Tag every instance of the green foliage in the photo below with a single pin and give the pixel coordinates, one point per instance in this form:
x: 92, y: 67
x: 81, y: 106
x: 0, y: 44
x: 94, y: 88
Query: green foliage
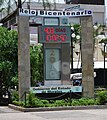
x: 84, y: 102
x: 60, y: 103
x: 77, y: 29
x: 36, y: 58
x: 14, y: 82
x: 98, y: 30
x: 75, y: 102
x: 33, y: 101
x: 45, y: 101
x: 8, y: 55
x: 101, y: 97
x: 9, y: 59
x: 31, y: 98
x: 18, y: 103
x: 15, y: 95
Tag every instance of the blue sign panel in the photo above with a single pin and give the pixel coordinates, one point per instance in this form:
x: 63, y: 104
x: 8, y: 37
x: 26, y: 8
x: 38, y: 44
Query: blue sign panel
x: 56, y: 89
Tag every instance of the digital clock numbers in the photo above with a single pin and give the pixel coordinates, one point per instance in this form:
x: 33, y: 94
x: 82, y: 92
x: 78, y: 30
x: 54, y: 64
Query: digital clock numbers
x: 54, y: 34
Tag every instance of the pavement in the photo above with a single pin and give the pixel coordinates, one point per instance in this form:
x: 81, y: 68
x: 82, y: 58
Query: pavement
x: 6, y: 109
x: 87, y: 114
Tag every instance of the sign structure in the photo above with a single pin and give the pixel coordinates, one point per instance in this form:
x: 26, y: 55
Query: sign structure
x: 54, y: 34
x: 56, y: 89
x: 43, y: 13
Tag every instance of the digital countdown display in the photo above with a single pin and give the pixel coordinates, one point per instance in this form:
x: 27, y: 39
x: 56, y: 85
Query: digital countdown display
x: 54, y: 34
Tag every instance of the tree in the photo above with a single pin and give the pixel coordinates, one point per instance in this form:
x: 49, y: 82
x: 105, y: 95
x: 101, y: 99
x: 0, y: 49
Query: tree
x: 48, y: 5
x: 7, y: 5
x: 9, y: 59
x: 8, y: 56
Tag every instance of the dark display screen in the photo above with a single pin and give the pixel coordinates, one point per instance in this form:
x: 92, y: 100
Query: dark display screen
x: 54, y: 34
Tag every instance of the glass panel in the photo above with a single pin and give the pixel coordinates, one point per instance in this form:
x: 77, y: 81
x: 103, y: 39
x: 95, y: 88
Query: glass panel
x: 52, y: 64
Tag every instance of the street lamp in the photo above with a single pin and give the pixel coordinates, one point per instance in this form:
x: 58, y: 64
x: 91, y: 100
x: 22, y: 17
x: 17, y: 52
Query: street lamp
x: 73, y: 35
x: 104, y: 60
x: 104, y: 45
x: 78, y: 37
x: 104, y: 42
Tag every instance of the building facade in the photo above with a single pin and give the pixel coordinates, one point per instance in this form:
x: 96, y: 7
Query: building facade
x: 98, y: 10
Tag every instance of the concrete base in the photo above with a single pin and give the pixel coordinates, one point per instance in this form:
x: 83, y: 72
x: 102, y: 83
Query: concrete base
x: 56, y: 108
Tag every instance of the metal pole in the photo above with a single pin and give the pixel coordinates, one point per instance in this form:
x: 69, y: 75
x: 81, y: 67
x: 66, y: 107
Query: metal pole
x: 71, y: 55
x: 70, y: 97
x: 25, y: 98
x: 104, y: 62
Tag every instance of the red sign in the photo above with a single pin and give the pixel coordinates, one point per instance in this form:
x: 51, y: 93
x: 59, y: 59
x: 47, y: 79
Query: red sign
x: 54, y: 34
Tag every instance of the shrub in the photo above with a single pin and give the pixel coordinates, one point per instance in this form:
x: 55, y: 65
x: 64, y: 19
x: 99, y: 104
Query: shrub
x: 18, y: 103
x: 59, y: 103
x: 45, y: 103
x: 101, y: 97
x: 15, y: 95
x: 33, y: 101
x: 84, y: 101
x: 30, y: 99
x: 15, y: 102
x: 92, y: 102
x: 75, y: 102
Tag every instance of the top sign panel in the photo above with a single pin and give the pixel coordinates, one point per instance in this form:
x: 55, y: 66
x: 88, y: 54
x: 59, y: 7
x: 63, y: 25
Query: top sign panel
x: 43, y: 13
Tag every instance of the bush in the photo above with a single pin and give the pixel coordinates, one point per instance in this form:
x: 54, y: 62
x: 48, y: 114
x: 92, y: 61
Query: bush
x: 15, y: 95
x: 45, y: 103
x: 33, y: 101
x: 101, y: 97
x: 84, y: 101
x: 19, y: 103
x: 59, y: 103
x: 75, y: 102
x: 92, y: 102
